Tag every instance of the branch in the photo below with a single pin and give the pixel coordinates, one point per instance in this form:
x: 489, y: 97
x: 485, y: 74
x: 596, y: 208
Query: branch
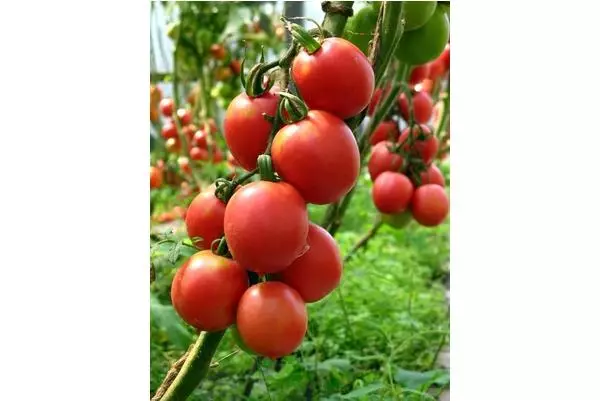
x: 336, y: 15
x: 365, y: 239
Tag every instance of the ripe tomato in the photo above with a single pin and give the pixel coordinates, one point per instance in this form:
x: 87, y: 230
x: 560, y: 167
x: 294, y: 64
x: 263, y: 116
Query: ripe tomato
x: 417, y: 13
x: 166, y: 107
x: 246, y: 130
x: 217, y: 155
x: 426, y: 86
x: 386, y: 131
x: 425, y: 148
x: 433, y: 175
x: 430, y: 205
x: 317, y: 78
x: 217, y: 51
x: 392, y: 192
x: 444, y: 58
x: 375, y: 99
x: 155, y: 177
x: 422, y: 107
x: 235, y: 66
x: 426, y: 43
x: 272, y: 319
x: 184, y: 164
x: 169, y: 130
x: 188, y: 131
x: 383, y: 160
x: 319, y: 271
x: 173, y: 145
x: 206, y: 291
x: 185, y: 116
x: 418, y: 73
x: 200, y: 139
x: 223, y: 73
x: 399, y: 220
x: 255, y: 240
x: 197, y: 153
x: 436, y: 69
x: 205, y: 216
x: 318, y: 156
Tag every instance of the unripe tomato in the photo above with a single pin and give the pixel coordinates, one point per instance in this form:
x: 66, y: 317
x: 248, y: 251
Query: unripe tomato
x: 417, y: 13
x: 205, y: 216
x: 433, y: 175
x: 385, y: 131
x: 383, y: 160
x: 318, y: 156
x: 217, y: 51
x: 197, y: 153
x: 266, y: 225
x: 430, y: 205
x: 422, y: 107
x: 426, y: 148
x: 184, y: 164
x: 360, y: 28
x: 185, y: 116
x: 173, y: 145
x: 235, y: 66
x: 399, y: 220
x: 427, y: 42
x: 166, y: 107
x: 155, y: 177
x: 272, y: 319
x: 319, y: 271
x: 319, y: 81
x: 169, y: 130
x: 418, y: 73
x: 206, y: 291
x: 392, y: 192
x: 246, y: 130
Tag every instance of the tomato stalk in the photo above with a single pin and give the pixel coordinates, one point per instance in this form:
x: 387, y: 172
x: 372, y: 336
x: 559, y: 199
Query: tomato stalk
x: 364, y: 240
x: 336, y: 15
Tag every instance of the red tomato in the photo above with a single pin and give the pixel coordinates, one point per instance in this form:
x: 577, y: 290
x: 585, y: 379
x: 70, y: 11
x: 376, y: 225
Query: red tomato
x: 422, y: 107
x: 386, y: 131
x: 319, y: 271
x: 436, y: 69
x: 426, y: 149
x: 336, y: 78
x: 217, y: 51
x: 236, y: 67
x: 197, y: 153
x: 188, y: 131
x: 160, y: 164
x: 418, y: 74
x: 184, y: 164
x: 246, y: 130
x: 206, y: 291
x: 374, y: 101
x: 204, y: 218
x: 210, y: 126
x: 173, y: 145
x: 430, y: 205
x: 166, y: 107
x: 217, y: 156
x: 444, y: 58
x: 433, y: 175
x: 185, y: 116
x: 200, y: 139
x: 165, y: 217
x: 383, y: 160
x: 179, y: 211
x: 169, y: 130
x: 272, y: 319
x: 427, y: 86
x: 318, y: 156
x: 155, y: 177
x: 392, y: 192
x: 232, y: 160
x: 266, y: 225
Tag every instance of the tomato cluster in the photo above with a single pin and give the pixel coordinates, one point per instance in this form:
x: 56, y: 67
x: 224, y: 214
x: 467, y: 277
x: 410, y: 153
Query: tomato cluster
x: 311, y: 157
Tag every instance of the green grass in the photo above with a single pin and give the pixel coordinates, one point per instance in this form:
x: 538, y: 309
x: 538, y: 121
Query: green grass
x: 383, y: 348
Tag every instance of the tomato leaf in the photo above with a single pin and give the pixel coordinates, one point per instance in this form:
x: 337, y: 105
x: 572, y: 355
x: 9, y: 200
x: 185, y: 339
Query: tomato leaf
x: 417, y: 380
x: 166, y: 318
x: 361, y: 392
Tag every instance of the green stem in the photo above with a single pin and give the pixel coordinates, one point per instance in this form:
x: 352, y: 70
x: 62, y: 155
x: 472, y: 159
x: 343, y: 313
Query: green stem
x: 388, y: 33
x: 365, y: 239
x: 336, y: 15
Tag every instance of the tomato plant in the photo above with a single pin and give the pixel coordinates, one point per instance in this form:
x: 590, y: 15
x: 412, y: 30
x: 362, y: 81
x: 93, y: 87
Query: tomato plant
x: 426, y: 43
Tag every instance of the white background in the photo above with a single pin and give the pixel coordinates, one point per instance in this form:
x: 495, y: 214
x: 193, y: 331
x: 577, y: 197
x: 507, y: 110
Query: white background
x: 74, y: 201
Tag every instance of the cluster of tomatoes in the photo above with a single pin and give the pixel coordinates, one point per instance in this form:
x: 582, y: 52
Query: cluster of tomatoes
x: 312, y: 158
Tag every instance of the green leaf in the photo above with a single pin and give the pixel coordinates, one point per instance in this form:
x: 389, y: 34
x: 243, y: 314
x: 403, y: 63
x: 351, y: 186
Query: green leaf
x: 167, y: 320
x: 174, y: 252
x: 416, y: 380
x: 368, y: 389
x: 334, y: 364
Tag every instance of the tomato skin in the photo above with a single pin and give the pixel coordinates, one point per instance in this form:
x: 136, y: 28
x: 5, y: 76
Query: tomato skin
x: 419, y: 73
x: 430, y: 205
x: 433, y: 175
x: 426, y: 43
x: 235, y: 66
x: 317, y: 155
x: 204, y: 218
x: 237, y: 338
x: 436, y: 69
x: 200, y: 139
x: 317, y: 78
x: 392, y: 192
x: 185, y: 116
x: 360, y: 28
x: 172, y: 145
x: 398, y: 220
x: 375, y: 99
x: 246, y: 130
x: 385, y: 131
x: 318, y: 272
x: 206, y: 291
x: 166, y: 107
x: 197, y: 153
x: 422, y: 107
x: 417, y: 13
x: 169, y: 130
x: 156, y: 177
x: 254, y: 239
x: 217, y: 51
x: 426, y: 149
x: 383, y: 160
x: 272, y: 319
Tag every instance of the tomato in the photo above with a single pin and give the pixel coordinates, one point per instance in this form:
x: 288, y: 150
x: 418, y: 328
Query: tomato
x: 433, y: 175
x: 205, y: 216
x: 173, y: 145
x: 272, y: 319
x: 188, y: 131
x: 319, y: 271
x: 223, y: 73
x: 392, y: 192
x: 444, y: 58
x: 210, y: 126
x: 232, y: 160
x: 160, y: 164
x: 217, y: 155
x: 436, y: 69
x: 197, y: 153
x: 422, y: 107
x: 166, y: 107
x: 336, y: 78
x: 200, y: 139
x: 169, y: 130
x: 426, y: 148
x: 360, y: 28
x: 430, y: 205
x: 426, y: 43
x: 383, y: 160
x: 179, y: 212
x: 425, y: 86
x: 184, y: 164
x: 155, y: 177
x: 318, y: 156
x: 165, y: 217
x: 185, y: 116
x: 236, y: 67
x: 266, y: 225
x: 374, y: 101
x: 418, y: 73
x: 217, y: 51
x: 398, y: 220
x: 417, y: 13
x: 246, y: 130
x: 385, y: 131
x: 206, y: 291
